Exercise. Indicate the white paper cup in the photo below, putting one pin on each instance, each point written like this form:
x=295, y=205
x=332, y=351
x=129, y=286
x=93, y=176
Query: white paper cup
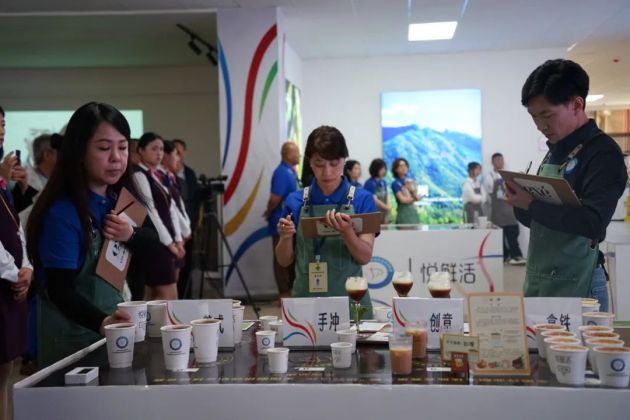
x=348, y=336
x=540, y=328
x=383, y=313
x=591, y=343
x=599, y=328
x=553, y=333
x=549, y=342
x=265, y=320
x=277, y=327
x=483, y=222
x=236, y=302
x=590, y=307
x=613, y=364
x=265, y=340
x=176, y=346
x=137, y=310
x=156, y=317
x=341, y=355
x=570, y=361
x=120, y=343
x=590, y=335
x=237, y=316
x=278, y=359
x=598, y=318
x=206, y=339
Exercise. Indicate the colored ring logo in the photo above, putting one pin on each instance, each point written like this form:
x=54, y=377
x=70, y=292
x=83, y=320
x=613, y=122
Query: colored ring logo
x=379, y=272
x=266, y=341
x=122, y=342
x=617, y=365
x=175, y=344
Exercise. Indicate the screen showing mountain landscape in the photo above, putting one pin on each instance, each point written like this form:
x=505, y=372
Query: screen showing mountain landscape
x=438, y=132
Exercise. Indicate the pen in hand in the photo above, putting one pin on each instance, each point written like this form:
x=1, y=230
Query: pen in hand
x=529, y=166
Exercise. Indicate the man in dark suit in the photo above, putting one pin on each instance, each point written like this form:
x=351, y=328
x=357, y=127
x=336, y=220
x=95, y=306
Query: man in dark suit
x=187, y=181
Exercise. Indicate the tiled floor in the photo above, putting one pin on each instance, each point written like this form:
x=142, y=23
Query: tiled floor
x=513, y=278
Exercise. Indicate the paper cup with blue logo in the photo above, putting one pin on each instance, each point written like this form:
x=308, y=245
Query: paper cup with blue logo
x=156, y=317
x=206, y=333
x=613, y=365
x=120, y=343
x=137, y=311
x=265, y=340
x=176, y=346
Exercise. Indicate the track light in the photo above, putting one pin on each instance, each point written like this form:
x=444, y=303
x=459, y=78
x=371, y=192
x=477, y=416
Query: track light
x=194, y=46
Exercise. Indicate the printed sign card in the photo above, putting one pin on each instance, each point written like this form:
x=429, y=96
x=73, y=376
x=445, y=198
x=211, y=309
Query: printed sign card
x=441, y=315
x=498, y=319
x=314, y=322
x=184, y=311
x=552, y=310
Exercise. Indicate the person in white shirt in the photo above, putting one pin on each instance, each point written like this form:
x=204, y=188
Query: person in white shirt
x=473, y=193
x=44, y=161
x=502, y=214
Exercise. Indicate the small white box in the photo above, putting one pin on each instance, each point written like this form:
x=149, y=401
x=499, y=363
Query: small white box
x=81, y=375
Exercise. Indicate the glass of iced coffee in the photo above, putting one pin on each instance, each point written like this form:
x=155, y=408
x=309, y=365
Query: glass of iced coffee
x=440, y=284
x=418, y=332
x=400, y=350
x=402, y=282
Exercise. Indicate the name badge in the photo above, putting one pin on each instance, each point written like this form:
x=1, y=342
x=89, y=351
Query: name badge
x=318, y=277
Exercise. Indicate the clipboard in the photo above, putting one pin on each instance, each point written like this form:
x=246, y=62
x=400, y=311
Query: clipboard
x=114, y=258
x=314, y=227
x=549, y=190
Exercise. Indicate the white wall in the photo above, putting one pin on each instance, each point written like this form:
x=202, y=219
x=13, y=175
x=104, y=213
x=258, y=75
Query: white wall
x=177, y=101
x=346, y=93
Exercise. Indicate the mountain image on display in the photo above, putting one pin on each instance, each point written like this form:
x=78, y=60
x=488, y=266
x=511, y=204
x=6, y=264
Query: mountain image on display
x=438, y=159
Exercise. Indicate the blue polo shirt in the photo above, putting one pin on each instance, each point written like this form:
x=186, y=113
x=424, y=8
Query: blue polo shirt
x=283, y=183
x=397, y=186
x=363, y=201
x=61, y=243
x=373, y=185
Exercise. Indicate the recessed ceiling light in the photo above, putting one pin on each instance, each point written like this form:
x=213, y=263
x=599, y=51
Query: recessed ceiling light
x=593, y=98
x=431, y=31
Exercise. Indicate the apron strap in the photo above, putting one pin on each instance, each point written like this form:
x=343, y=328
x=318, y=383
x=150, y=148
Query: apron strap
x=350, y=197
x=306, y=197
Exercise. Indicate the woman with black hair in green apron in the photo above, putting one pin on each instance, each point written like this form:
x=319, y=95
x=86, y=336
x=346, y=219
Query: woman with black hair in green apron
x=406, y=194
x=330, y=195
x=377, y=186
x=68, y=225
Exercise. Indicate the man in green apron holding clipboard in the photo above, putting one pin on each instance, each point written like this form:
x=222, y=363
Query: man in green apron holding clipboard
x=564, y=257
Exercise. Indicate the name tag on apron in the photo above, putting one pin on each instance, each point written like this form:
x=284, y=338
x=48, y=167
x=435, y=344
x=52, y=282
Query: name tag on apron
x=318, y=277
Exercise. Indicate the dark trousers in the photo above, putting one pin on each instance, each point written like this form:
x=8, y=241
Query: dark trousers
x=284, y=275
x=511, y=249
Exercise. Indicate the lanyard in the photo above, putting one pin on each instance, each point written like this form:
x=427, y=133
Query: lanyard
x=570, y=156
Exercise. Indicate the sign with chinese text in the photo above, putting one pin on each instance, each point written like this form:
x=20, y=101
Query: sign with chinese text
x=473, y=257
x=314, y=322
x=565, y=311
x=184, y=311
x=441, y=315
x=498, y=319
x=460, y=343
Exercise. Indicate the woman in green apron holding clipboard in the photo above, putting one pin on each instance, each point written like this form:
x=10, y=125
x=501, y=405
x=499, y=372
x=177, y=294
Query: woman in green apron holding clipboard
x=377, y=186
x=68, y=225
x=323, y=264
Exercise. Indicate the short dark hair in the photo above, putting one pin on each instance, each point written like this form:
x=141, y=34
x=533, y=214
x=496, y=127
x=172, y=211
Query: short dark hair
x=496, y=155
x=147, y=138
x=375, y=167
x=169, y=146
x=395, y=164
x=557, y=81
x=472, y=166
x=180, y=141
x=328, y=142
x=2, y=111
x=348, y=167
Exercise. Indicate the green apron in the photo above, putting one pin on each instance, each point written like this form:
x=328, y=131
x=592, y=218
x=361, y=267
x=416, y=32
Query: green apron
x=333, y=252
x=558, y=264
x=381, y=194
x=58, y=336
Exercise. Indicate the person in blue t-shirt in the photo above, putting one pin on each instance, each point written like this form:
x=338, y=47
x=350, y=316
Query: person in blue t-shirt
x=283, y=182
x=352, y=171
x=406, y=193
x=377, y=186
x=67, y=227
x=330, y=195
